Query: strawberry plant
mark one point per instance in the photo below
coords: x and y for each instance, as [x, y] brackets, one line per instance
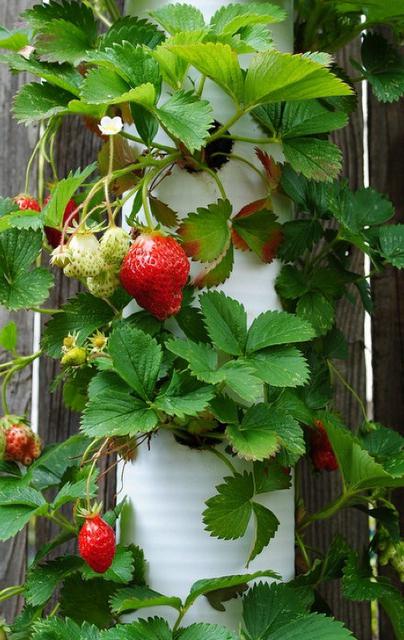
[187, 360]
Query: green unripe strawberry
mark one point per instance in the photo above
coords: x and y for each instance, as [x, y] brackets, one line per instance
[74, 357]
[114, 245]
[103, 285]
[85, 256]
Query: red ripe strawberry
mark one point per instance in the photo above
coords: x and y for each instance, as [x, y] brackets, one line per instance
[97, 543]
[322, 454]
[54, 236]
[27, 203]
[273, 234]
[22, 444]
[154, 272]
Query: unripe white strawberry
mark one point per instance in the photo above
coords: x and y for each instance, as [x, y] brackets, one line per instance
[60, 257]
[85, 256]
[104, 284]
[114, 245]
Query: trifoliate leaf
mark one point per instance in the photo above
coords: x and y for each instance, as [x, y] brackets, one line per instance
[206, 233]
[392, 244]
[179, 17]
[40, 101]
[136, 357]
[186, 118]
[140, 597]
[134, 30]
[42, 580]
[226, 322]
[276, 328]
[20, 286]
[216, 61]
[267, 525]
[217, 272]
[274, 76]
[256, 437]
[281, 367]
[383, 67]
[260, 232]
[316, 159]
[228, 513]
[183, 396]
[316, 309]
[81, 316]
[233, 17]
[115, 412]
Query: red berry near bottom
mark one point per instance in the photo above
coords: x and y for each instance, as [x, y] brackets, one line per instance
[322, 454]
[154, 272]
[97, 543]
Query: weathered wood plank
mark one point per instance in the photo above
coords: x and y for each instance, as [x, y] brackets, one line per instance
[16, 143]
[321, 489]
[386, 135]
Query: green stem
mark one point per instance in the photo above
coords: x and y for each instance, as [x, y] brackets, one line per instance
[201, 86]
[302, 547]
[224, 459]
[234, 156]
[157, 145]
[145, 199]
[330, 510]
[113, 9]
[59, 521]
[350, 389]
[49, 312]
[250, 140]
[10, 592]
[4, 386]
[213, 174]
[227, 125]
[109, 180]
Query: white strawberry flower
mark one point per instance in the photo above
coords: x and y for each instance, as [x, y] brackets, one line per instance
[110, 126]
[27, 51]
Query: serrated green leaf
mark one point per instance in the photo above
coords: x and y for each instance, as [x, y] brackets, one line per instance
[206, 586]
[202, 359]
[203, 631]
[42, 580]
[217, 272]
[65, 189]
[357, 211]
[316, 159]
[17, 507]
[120, 571]
[72, 491]
[164, 214]
[81, 315]
[274, 76]
[270, 476]
[391, 239]
[298, 235]
[290, 436]
[226, 322]
[85, 602]
[20, 286]
[382, 443]
[261, 233]
[63, 76]
[103, 86]
[216, 61]
[313, 625]
[136, 357]
[281, 367]
[317, 310]
[133, 64]
[275, 328]
[242, 380]
[43, 14]
[383, 67]
[134, 30]
[300, 118]
[183, 396]
[55, 629]
[14, 40]
[40, 101]
[186, 118]
[9, 336]
[116, 412]
[233, 17]
[291, 283]
[135, 598]
[359, 583]
[228, 513]
[49, 469]
[267, 525]
[172, 67]
[151, 629]
[179, 17]
[255, 438]
[206, 234]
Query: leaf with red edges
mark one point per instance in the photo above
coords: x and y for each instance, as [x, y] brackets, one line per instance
[256, 228]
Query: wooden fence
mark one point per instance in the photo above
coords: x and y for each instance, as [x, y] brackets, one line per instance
[76, 148]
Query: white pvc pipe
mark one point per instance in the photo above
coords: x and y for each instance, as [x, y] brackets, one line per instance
[168, 484]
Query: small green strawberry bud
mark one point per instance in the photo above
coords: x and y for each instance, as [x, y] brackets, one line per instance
[75, 357]
[69, 342]
[60, 257]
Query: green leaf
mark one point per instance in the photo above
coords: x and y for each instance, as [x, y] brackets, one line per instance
[202, 359]
[228, 513]
[43, 14]
[136, 357]
[42, 580]
[226, 322]
[266, 527]
[85, 602]
[204, 631]
[186, 118]
[209, 585]
[151, 629]
[274, 76]
[72, 491]
[81, 315]
[315, 308]
[135, 598]
[291, 283]
[133, 64]
[120, 571]
[14, 40]
[275, 328]
[17, 507]
[312, 626]
[241, 379]
[256, 437]
[281, 367]
[9, 336]
[358, 582]
[316, 159]
[163, 213]
[391, 239]
[20, 286]
[49, 469]
[183, 396]
[206, 234]
[172, 67]
[216, 61]
[298, 235]
[217, 272]
[231, 18]
[134, 30]
[270, 476]
[261, 232]
[383, 67]
[55, 629]
[382, 443]
[63, 76]
[179, 17]
[104, 86]
[40, 101]
[65, 189]
[290, 435]
[357, 211]
[300, 118]
[115, 412]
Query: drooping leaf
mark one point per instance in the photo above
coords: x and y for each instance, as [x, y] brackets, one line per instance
[40, 101]
[186, 118]
[275, 328]
[135, 598]
[206, 234]
[226, 322]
